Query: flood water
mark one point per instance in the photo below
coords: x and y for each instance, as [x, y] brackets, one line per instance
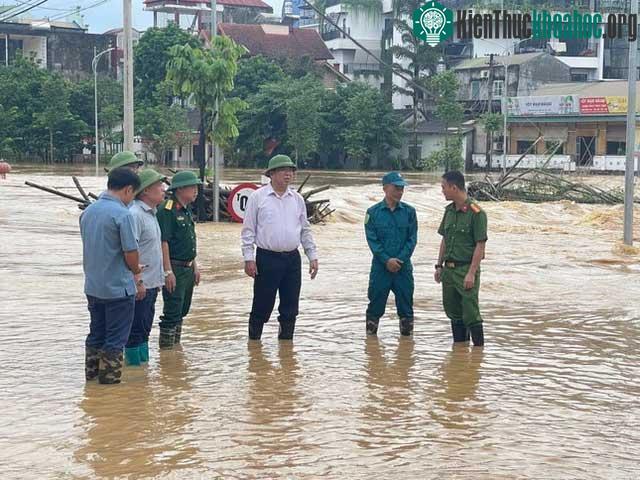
[554, 394]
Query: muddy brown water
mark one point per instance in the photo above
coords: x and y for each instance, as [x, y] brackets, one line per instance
[554, 394]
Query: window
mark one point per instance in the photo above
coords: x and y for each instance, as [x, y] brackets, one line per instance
[579, 77]
[551, 145]
[616, 148]
[498, 88]
[475, 90]
[523, 146]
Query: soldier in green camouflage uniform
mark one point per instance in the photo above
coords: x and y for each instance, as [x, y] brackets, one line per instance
[181, 272]
[464, 235]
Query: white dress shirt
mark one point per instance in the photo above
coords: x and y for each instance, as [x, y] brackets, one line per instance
[276, 223]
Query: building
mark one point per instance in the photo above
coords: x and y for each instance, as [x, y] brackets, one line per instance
[526, 73]
[57, 46]
[117, 56]
[588, 120]
[282, 41]
[196, 14]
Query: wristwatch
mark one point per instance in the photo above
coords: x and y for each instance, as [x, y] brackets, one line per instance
[139, 283]
[167, 273]
[438, 266]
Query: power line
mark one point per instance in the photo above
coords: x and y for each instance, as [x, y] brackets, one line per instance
[31, 7]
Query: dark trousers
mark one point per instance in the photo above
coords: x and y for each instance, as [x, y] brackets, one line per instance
[110, 323]
[178, 302]
[145, 310]
[281, 273]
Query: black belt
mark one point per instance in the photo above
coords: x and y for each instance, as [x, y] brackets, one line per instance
[182, 263]
[284, 254]
[454, 263]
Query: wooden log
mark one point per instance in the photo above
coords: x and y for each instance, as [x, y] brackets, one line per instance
[304, 183]
[93, 195]
[80, 189]
[316, 190]
[56, 192]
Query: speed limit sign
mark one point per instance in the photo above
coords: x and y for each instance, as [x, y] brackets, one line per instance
[237, 201]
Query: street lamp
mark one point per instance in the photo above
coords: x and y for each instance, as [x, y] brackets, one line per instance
[94, 67]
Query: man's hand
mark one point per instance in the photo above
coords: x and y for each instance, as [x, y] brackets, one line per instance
[438, 275]
[141, 291]
[170, 282]
[250, 268]
[394, 265]
[313, 268]
[196, 275]
[469, 280]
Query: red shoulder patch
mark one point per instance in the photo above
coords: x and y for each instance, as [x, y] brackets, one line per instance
[475, 208]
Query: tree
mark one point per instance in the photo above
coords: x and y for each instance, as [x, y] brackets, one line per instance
[206, 77]
[445, 88]
[370, 127]
[254, 72]
[493, 123]
[151, 55]
[7, 129]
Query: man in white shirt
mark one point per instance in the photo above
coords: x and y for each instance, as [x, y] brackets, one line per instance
[276, 223]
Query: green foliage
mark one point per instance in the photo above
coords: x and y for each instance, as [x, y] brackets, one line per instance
[151, 55]
[163, 124]
[39, 121]
[449, 158]
[206, 76]
[492, 122]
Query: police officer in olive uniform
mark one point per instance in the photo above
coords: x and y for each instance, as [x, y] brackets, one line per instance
[178, 236]
[464, 235]
[391, 227]
[125, 159]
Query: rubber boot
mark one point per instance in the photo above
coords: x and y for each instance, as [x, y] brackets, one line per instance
[477, 335]
[144, 352]
[255, 330]
[406, 327]
[178, 334]
[132, 356]
[460, 332]
[372, 325]
[167, 338]
[91, 363]
[110, 368]
[286, 329]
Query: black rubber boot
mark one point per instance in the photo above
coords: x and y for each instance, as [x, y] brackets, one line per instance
[176, 339]
[285, 332]
[406, 326]
[477, 335]
[460, 332]
[167, 338]
[255, 330]
[110, 368]
[372, 325]
[91, 363]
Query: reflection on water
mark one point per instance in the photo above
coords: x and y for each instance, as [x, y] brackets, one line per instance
[552, 395]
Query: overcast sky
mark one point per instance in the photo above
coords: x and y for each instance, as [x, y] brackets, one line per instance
[106, 16]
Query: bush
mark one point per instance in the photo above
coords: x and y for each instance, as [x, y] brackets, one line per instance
[449, 158]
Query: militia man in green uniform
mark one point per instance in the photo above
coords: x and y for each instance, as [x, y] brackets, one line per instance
[125, 159]
[391, 227]
[178, 236]
[464, 236]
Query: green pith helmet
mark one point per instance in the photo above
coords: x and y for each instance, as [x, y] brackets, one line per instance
[148, 177]
[184, 179]
[123, 159]
[279, 161]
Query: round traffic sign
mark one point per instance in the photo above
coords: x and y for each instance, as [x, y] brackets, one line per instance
[237, 201]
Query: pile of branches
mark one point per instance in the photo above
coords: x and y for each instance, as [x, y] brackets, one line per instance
[538, 185]
[317, 210]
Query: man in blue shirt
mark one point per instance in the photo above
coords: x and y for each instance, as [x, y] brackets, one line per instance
[110, 260]
[391, 227]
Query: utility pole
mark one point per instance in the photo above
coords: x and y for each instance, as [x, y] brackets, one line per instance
[631, 133]
[489, 135]
[128, 77]
[214, 117]
[504, 119]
